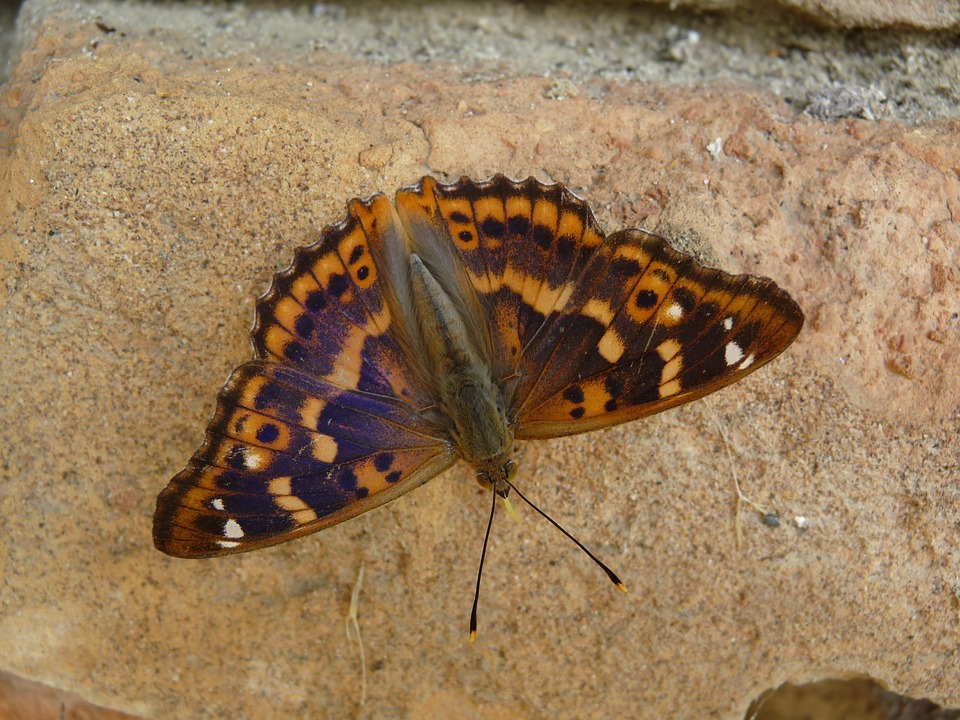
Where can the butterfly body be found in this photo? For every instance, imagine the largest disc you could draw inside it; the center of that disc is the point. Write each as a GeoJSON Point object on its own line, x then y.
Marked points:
{"type": "Point", "coordinates": [471, 403]}
{"type": "Point", "coordinates": [446, 325]}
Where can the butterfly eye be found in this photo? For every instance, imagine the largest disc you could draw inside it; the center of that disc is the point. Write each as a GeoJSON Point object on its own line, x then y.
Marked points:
{"type": "Point", "coordinates": [510, 469]}
{"type": "Point", "coordinates": [484, 480]}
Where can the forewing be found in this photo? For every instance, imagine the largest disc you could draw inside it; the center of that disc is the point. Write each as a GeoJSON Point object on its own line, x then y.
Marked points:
{"type": "Point", "coordinates": [287, 454]}
{"type": "Point", "coordinates": [520, 246]}
{"type": "Point", "coordinates": [645, 329]}
{"type": "Point", "coordinates": [331, 419]}
{"type": "Point", "coordinates": [333, 313]}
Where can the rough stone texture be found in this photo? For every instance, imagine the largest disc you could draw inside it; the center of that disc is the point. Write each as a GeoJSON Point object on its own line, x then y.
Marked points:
{"type": "Point", "coordinates": [902, 73]}
{"type": "Point", "coordinates": [147, 196]}
{"type": "Point", "coordinates": [20, 698]}
{"type": "Point", "coordinates": [925, 14]}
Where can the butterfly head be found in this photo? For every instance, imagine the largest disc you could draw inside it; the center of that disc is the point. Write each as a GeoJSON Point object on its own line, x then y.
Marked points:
{"type": "Point", "coordinates": [498, 475]}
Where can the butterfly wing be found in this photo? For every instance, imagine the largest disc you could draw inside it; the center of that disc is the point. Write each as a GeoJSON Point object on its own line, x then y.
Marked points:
{"type": "Point", "coordinates": [520, 245]}
{"type": "Point", "coordinates": [334, 312]}
{"type": "Point", "coordinates": [589, 331]}
{"type": "Point", "coordinates": [647, 328]}
{"type": "Point", "coordinates": [287, 454]}
{"type": "Point", "coordinates": [329, 421]}
{"type": "Point", "coordinates": [336, 415]}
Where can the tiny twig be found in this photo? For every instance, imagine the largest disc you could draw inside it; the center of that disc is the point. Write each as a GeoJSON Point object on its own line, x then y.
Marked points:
{"type": "Point", "coordinates": [741, 498]}
{"type": "Point", "coordinates": [352, 622]}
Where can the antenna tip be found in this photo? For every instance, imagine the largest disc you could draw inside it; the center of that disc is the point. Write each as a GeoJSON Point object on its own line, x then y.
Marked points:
{"type": "Point", "coordinates": [473, 635]}
{"type": "Point", "coordinates": [621, 587]}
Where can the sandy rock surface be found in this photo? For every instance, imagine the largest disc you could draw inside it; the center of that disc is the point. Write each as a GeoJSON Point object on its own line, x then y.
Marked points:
{"type": "Point", "coordinates": [146, 198]}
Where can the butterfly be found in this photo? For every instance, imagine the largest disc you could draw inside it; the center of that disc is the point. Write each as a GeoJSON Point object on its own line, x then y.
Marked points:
{"type": "Point", "coordinates": [449, 325]}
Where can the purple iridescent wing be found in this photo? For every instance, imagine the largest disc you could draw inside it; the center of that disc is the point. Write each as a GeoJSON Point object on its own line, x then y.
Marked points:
{"type": "Point", "coordinates": [328, 422]}
{"type": "Point", "coordinates": [287, 454]}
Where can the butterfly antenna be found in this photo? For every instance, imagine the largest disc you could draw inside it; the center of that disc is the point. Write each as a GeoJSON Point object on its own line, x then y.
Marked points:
{"type": "Point", "coordinates": [610, 573]}
{"type": "Point", "coordinates": [483, 555]}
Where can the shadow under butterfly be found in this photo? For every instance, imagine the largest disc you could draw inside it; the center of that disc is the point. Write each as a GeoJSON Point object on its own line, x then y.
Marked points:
{"type": "Point", "coordinates": [448, 325]}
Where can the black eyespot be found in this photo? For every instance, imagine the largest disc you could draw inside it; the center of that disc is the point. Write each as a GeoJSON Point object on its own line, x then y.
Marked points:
{"type": "Point", "coordinates": [268, 433]}
{"type": "Point", "coordinates": [565, 246]}
{"type": "Point", "coordinates": [543, 236]}
{"type": "Point", "coordinates": [491, 227]}
{"type": "Point", "coordinates": [348, 479]}
{"type": "Point", "coordinates": [338, 284]}
{"type": "Point", "coordinates": [383, 461]}
{"type": "Point", "coordinates": [295, 351]}
{"type": "Point", "coordinates": [645, 299]}
{"type": "Point", "coordinates": [316, 301]}
{"type": "Point", "coordinates": [304, 326]}
{"type": "Point", "coordinates": [518, 225]}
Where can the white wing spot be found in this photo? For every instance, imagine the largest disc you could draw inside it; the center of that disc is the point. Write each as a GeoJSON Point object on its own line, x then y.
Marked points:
{"type": "Point", "coordinates": [217, 504]}
{"type": "Point", "coordinates": [227, 544]}
{"type": "Point", "coordinates": [728, 324]}
{"type": "Point", "coordinates": [733, 353]}
{"type": "Point", "coordinates": [232, 529]}
{"type": "Point", "coordinates": [252, 459]}
{"type": "Point", "coordinates": [675, 312]}
{"type": "Point", "coordinates": [748, 362]}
